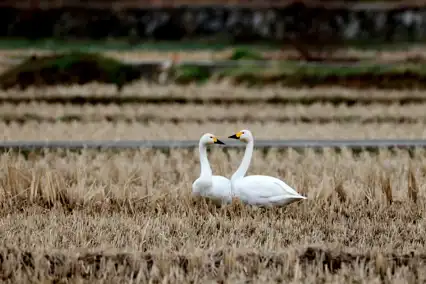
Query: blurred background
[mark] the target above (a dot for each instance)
(108, 70)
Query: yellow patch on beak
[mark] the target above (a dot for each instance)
(214, 139)
(239, 134)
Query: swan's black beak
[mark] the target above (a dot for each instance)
(219, 142)
(234, 136)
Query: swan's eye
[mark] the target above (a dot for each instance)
(211, 137)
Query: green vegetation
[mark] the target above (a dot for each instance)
(68, 68)
(191, 73)
(242, 53)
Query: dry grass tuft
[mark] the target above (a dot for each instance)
(387, 188)
(413, 189)
(341, 194)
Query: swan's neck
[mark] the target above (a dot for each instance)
(206, 171)
(245, 163)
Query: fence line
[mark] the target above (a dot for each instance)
(188, 144)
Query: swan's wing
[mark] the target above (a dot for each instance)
(221, 186)
(264, 187)
(285, 187)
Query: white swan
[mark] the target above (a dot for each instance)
(216, 188)
(259, 189)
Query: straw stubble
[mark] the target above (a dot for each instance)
(104, 130)
(140, 201)
(152, 112)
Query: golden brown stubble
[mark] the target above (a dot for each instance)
(261, 112)
(192, 131)
(140, 201)
(233, 265)
(147, 173)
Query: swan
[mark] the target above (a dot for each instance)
(216, 188)
(259, 190)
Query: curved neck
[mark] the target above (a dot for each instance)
(206, 171)
(245, 163)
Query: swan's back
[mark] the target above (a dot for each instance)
(265, 187)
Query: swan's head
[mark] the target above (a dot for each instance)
(209, 138)
(243, 135)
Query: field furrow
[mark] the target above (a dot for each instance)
(211, 119)
(208, 93)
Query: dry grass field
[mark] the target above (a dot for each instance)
(128, 216)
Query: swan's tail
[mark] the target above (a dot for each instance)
(296, 196)
(285, 200)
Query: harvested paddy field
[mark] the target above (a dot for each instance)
(205, 109)
(129, 216)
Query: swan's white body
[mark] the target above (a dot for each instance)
(216, 188)
(259, 190)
